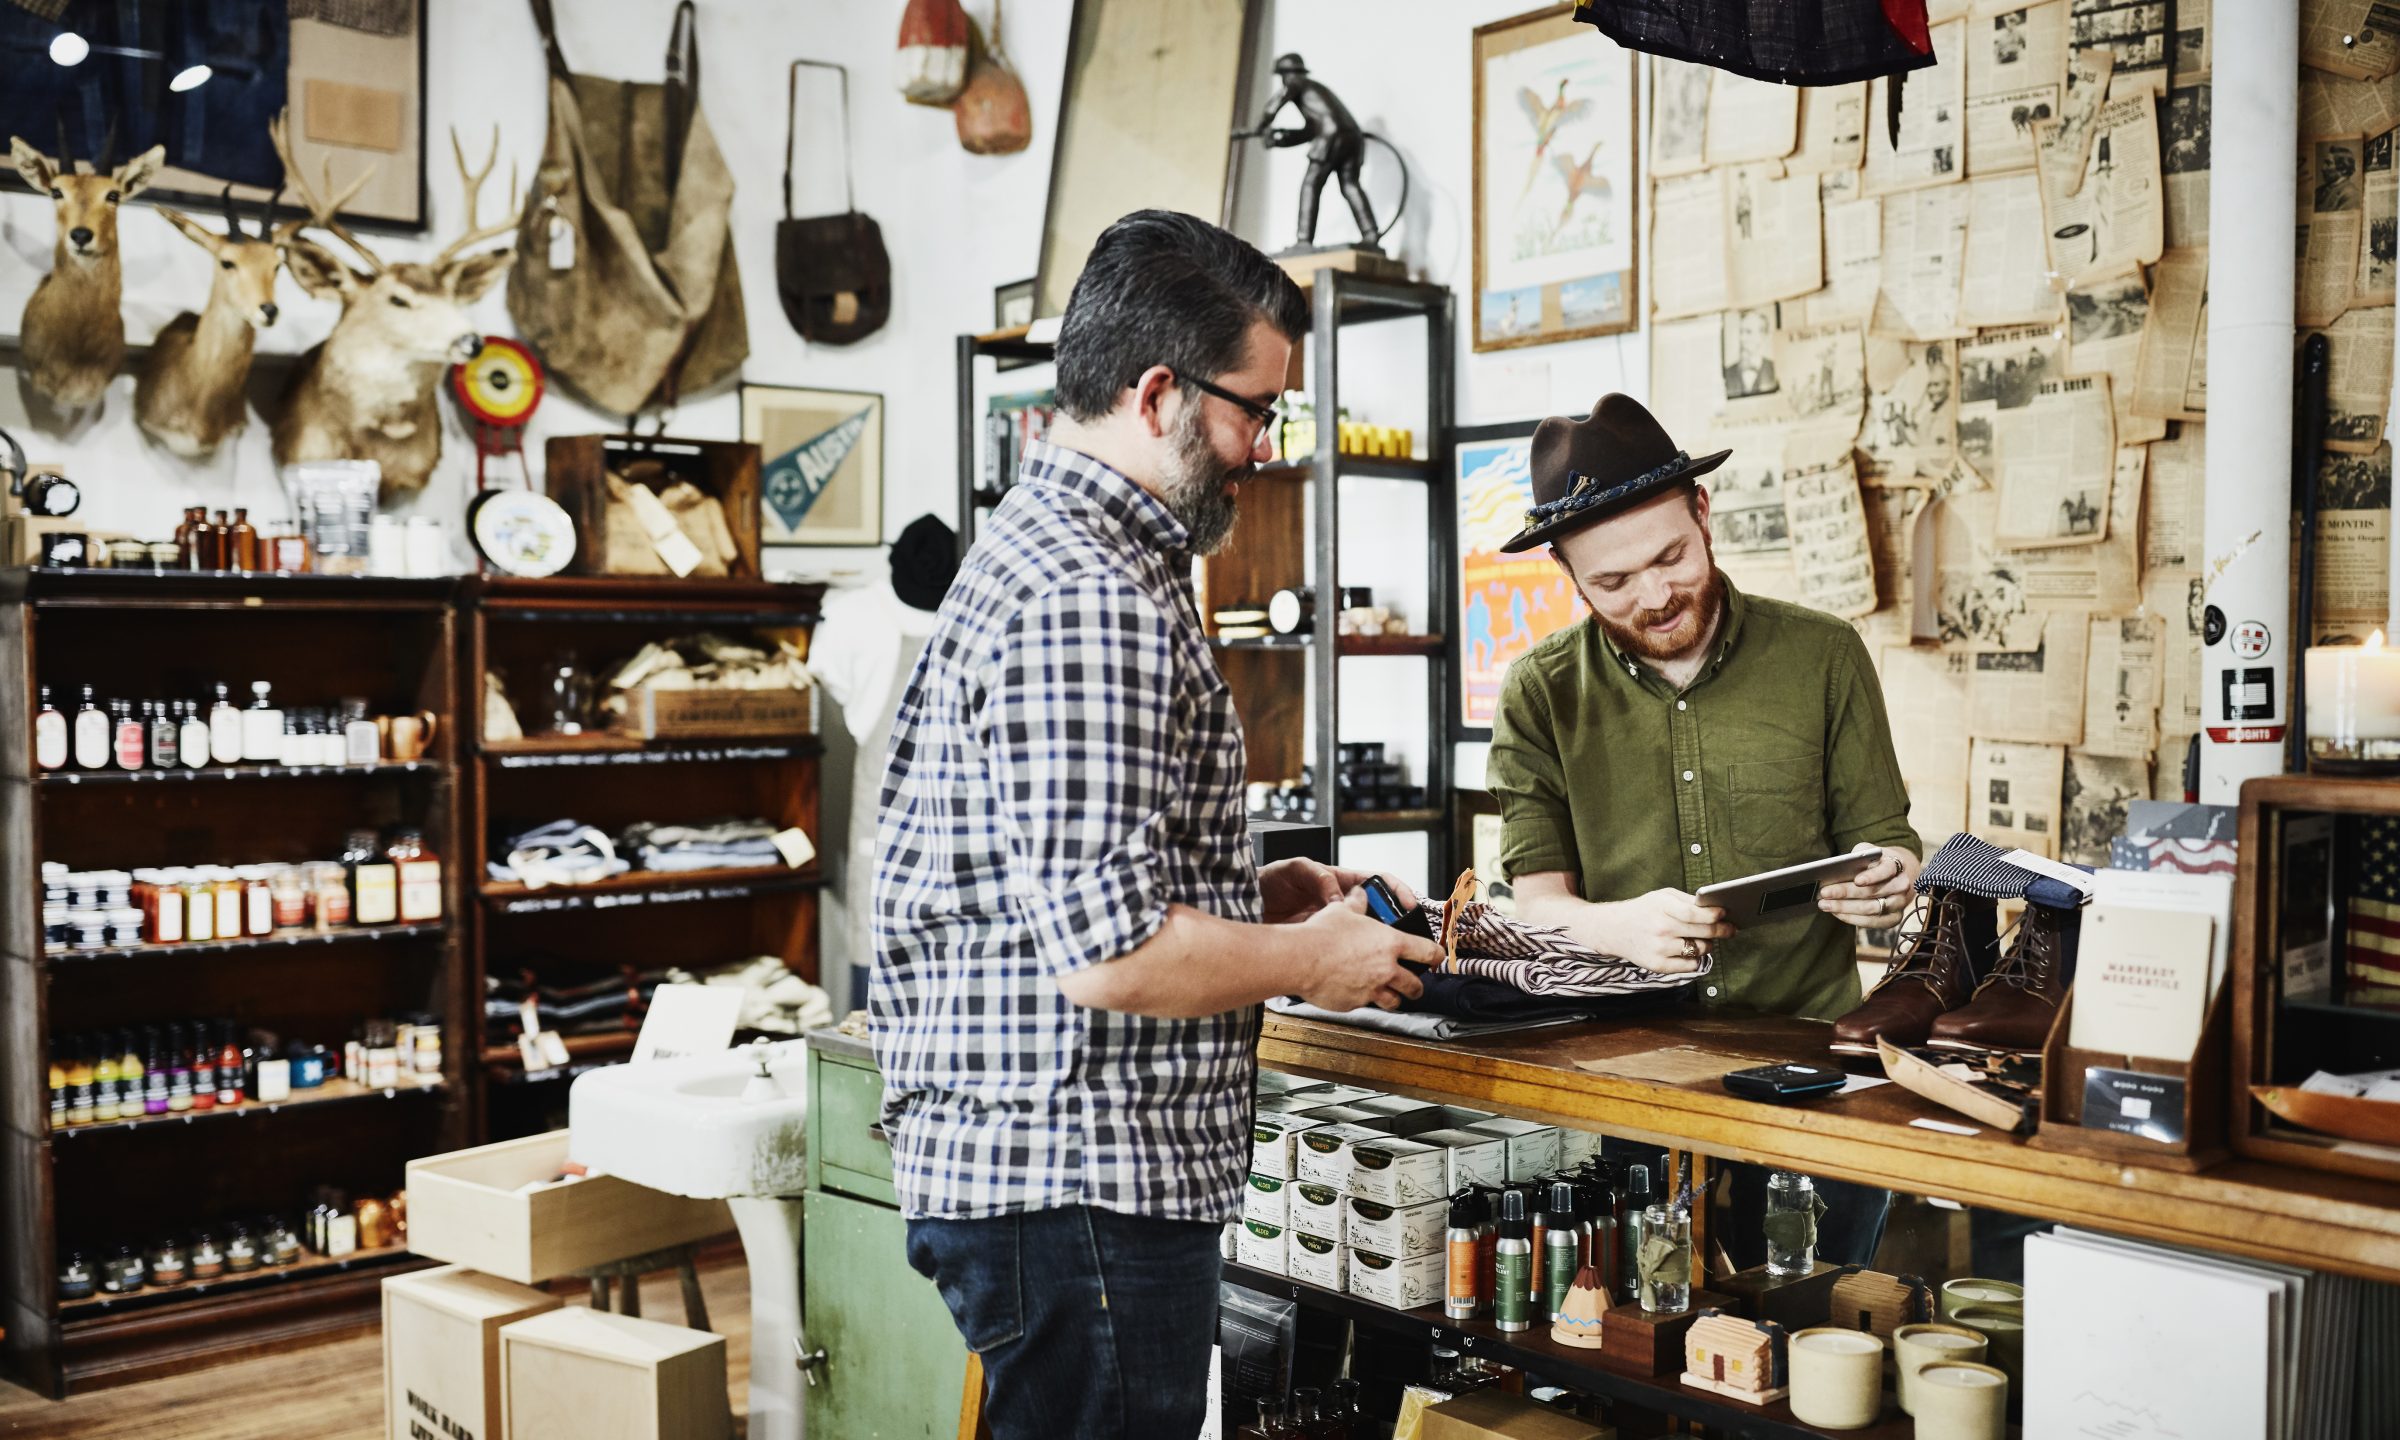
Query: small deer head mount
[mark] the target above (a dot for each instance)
(189, 395)
(86, 203)
(244, 283)
(72, 331)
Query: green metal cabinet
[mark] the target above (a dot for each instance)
(894, 1366)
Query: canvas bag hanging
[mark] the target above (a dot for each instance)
(831, 271)
(625, 278)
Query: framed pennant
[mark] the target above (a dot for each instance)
(820, 464)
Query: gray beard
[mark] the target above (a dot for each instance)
(1192, 487)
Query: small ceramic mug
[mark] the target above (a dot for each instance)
(406, 737)
(1837, 1377)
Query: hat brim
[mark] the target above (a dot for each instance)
(1549, 530)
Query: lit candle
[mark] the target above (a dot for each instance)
(1916, 1346)
(1961, 1401)
(1975, 1290)
(1837, 1377)
(2354, 701)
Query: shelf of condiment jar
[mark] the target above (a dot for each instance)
(62, 955)
(650, 887)
(156, 1297)
(236, 772)
(565, 751)
(332, 1092)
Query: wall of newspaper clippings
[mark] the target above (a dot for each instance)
(1966, 405)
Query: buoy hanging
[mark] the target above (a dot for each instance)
(933, 51)
(994, 117)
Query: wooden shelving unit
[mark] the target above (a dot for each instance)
(318, 639)
(639, 921)
(1289, 536)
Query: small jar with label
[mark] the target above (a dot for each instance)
(329, 896)
(225, 890)
(258, 900)
(199, 906)
(287, 889)
(419, 874)
(167, 1263)
(382, 1056)
(374, 881)
(125, 926)
(279, 1246)
(77, 1279)
(207, 1257)
(241, 1251)
(123, 1273)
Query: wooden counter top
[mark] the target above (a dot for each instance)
(2300, 1217)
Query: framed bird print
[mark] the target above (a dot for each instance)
(1556, 227)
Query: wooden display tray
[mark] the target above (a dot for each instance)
(2203, 1074)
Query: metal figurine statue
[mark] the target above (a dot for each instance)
(1337, 147)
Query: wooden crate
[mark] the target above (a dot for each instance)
(576, 1374)
(694, 714)
(497, 1208)
(441, 1349)
(576, 476)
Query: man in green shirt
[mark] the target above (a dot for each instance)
(1685, 733)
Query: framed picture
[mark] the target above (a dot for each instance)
(820, 464)
(351, 76)
(1012, 307)
(1556, 179)
(1507, 603)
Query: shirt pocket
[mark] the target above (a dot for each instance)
(1778, 810)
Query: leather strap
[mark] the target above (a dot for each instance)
(683, 85)
(791, 126)
(548, 25)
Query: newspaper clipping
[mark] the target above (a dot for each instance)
(1686, 394)
(1746, 510)
(1833, 130)
(2012, 794)
(1980, 591)
(2000, 128)
(2356, 38)
(2053, 461)
(1687, 253)
(1933, 124)
(2105, 578)
(1750, 119)
(2183, 163)
(2377, 247)
(1824, 373)
(2333, 105)
(1774, 247)
(2001, 370)
(2033, 695)
(2358, 387)
(2116, 217)
(2171, 535)
(2065, 150)
(2354, 524)
(2006, 269)
(1853, 256)
(1828, 526)
(2014, 63)
(2191, 57)
(1924, 236)
(2333, 208)
(1925, 691)
(1912, 417)
(2096, 791)
(2104, 337)
(2172, 382)
(1678, 117)
(2121, 689)
(2133, 31)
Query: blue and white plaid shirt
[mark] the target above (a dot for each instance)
(1066, 763)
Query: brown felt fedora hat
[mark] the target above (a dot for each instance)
(1588, 468)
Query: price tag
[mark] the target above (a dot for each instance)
(561, 242)
(529, 1049)
(794, 846)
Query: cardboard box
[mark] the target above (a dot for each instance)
(1271, 1146)
(1324, 1154)
(1340, 1115)
(1494, 1415)
(1318, 1210)
(1475, 1158)
(1260, 1246)
(1318, 1260)
(1279, 1105)
(441, 1349)
(1327, 1092)
(656, 714)
(503, 1210)
(1401, 1230)
(1459, 1117)
(1265, 1198)
(1405, 1283)
(1399, 1172)
(1403, 1116)
(1533, 1150)
(1275, 1082)
(578, 1373)
(1577, 1146)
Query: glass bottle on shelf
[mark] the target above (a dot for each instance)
(418, 872)
(130, 735)
(166, 736)
(1791, 1223)
(241, 543)
(191, 736)
(362, 743)
(1666, 1260)
(262, 726)
(1269, 1425)
(50, 739)
(92, 733)
(224, 729)
(374, 881)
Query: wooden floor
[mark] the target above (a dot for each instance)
(329, 1391)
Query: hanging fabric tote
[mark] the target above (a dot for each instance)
(831, 271)
(625, 279)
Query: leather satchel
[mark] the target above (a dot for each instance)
(831, 271)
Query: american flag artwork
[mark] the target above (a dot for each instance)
(2371, 914)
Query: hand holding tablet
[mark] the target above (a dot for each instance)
(1780, 894)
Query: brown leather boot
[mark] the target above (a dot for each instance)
(2013, 1010)
(1937, 973)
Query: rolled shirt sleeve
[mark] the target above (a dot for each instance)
(1866, 798)
(1074, 725)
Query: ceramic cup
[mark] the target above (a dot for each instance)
(2004, 1326)
(1837, 1377)
(406, 736)
(1961, 1401)
(1970, 1290)
(1916, 1346)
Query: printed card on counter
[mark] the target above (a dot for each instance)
(2141, 984)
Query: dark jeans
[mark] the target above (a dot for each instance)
(1090, 1323)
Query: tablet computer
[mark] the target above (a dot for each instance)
(1777, 894)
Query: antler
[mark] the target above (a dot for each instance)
(233, 218)
(321, 212)
(472, 182)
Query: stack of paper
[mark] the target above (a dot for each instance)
(2132, 1340)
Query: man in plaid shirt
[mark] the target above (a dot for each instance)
(1072, 941)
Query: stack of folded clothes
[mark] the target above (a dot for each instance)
(569, 852)
(718, 845)
(613, 1002)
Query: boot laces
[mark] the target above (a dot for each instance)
(1938, 944)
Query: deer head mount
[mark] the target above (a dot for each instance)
(368, 392)
(73, 332)
(190, 394)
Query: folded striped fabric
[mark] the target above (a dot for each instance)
(1541, 960)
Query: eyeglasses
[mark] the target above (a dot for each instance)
(1267, 416)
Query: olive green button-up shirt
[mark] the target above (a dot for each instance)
(1778, 753)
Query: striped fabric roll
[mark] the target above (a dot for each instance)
(1540, 960)
(1975, 866)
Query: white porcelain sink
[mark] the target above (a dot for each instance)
(696, 1126)
(731, 1126)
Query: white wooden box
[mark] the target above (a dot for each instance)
(583, 1374)
(498, 1209)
